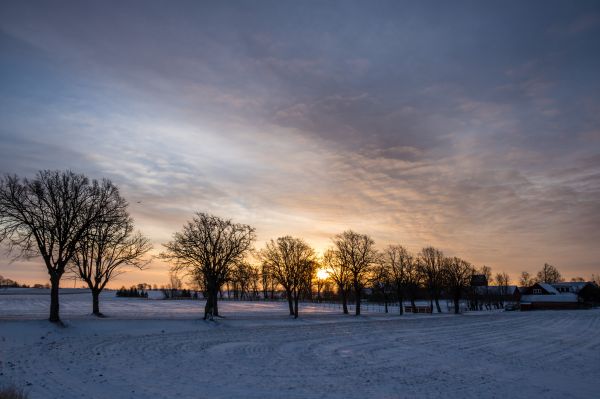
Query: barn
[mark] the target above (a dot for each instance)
(547, 296)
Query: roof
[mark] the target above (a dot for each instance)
(549, 288)
(563, 298)
(572, 283)
(574, 286)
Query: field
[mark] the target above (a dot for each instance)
(160, 349)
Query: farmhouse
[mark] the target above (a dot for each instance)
(551, 296)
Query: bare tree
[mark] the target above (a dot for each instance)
(291, 261)
(49, 216)
(403, 271)
(383, 280)
(244, 277)
(306, 288)
(255, 282)
(457, 274)
(525, 280)
(267, 281)
(502, 281)
(109, 248)
(174, 287)
(207, 248)
(357, 252)
(549, 274)
(175, 283)
(431, 265)
(339, 272)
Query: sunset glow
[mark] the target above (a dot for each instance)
(322, 274)
(470, 128)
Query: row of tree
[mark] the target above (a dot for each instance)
(213, 251)
(83, 226)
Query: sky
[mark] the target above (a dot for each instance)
(472, 126)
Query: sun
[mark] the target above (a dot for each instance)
(322, 274)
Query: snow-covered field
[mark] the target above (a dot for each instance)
(160, 349)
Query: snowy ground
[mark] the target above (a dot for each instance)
(159, 349)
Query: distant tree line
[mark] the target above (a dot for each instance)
(8, 283)
(132, 292)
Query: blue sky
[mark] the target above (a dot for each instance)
(471, 126)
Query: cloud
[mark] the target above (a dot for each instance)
(461, 127)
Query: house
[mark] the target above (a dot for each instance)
(548, 296)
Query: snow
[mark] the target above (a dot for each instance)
(573, 286)
(160, 349)
(549, 289)
(566, 297)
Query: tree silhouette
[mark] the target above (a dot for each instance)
(403, 271)
(525, 280)
(339, 272)
(357, 252)
(549, 274)
(292, 262)
(431, 266)
(502, 281)
(207, 248)
(49, 216)
(108, 249)
(457, 275)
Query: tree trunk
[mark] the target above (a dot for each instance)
(296, 306)
(357, 298)
(413, 304)
(385, 301)
(344, 300)
(54, 306)
(211, 309)
(215, 303)
(456, 302)
(400, 299)
(208, 307)
(437, 304)
(96, 302)
(290, 302)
